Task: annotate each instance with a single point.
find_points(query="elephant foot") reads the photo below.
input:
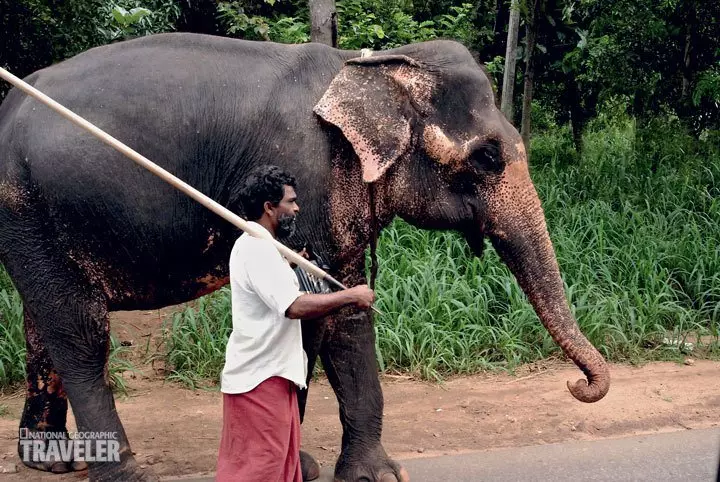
(309, 466)
(126, 470)
(57, 466)
(375, 466)
(47, 460)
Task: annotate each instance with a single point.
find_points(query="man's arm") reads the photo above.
(310, 306)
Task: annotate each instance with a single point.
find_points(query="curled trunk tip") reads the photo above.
(590, 391)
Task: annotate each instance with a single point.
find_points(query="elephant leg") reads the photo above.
(45, 402)
(348, 356)
(70, 317)
(78, 341)
(312, 334)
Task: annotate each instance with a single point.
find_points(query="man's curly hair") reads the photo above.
(264, 183)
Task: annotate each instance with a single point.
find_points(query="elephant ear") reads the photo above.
(372, 101)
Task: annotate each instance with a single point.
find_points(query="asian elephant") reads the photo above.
(84, 231)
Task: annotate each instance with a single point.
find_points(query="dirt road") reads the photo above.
(176, 431)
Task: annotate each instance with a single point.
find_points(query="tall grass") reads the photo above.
(636, 227)
(12, 337)
(196, 339)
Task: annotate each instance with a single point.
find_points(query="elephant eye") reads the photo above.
(486, 157)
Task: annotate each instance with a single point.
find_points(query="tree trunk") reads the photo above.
(506, 104)
(685, 109)
(502, 17)
(577, 117)
(531, 36)
(323, 19)
(690, 21)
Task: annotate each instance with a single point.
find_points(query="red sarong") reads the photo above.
(261, 435)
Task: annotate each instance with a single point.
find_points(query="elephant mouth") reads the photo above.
(475, 230)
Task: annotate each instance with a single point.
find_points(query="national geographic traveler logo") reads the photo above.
(69, 447)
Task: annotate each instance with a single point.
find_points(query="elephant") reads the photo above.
(412, 132)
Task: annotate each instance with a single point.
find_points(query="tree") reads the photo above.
(506, 103)
(323, 19)
(531, 28)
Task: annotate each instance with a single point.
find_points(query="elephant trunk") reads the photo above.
(523, 242)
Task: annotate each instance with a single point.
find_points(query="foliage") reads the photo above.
(283, 29)
(129, 19)
(239, 24)
(708, 86)
(361, 24)
(631, 48)
(385, 25)
(37, 33)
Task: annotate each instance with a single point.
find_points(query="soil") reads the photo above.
(176, 430)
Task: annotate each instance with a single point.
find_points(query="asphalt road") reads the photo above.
(691, 455)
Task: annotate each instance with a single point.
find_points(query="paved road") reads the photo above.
(691, 455)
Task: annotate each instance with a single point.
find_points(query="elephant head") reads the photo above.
(423, 123)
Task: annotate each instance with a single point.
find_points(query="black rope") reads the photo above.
(373, 236)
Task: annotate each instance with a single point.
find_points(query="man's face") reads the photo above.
(284, 213)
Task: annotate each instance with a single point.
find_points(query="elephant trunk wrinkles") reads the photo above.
(524, 245)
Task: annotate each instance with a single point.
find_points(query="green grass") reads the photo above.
(636, 227)
(196, 339)
(635, 224)
(12, 337)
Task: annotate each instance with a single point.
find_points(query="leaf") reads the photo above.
(138, 13)
(582, 44)
(120, 15)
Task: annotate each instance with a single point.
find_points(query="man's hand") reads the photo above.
(312, 306)
(363, 297)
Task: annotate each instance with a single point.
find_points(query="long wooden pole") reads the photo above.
(169, 178)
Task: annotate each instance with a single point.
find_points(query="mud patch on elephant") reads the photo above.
(13, 197)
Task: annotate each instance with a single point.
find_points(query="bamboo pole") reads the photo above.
(169, 178)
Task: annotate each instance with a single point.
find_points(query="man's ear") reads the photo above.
(267, 207)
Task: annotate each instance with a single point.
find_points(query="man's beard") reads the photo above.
(286, 226)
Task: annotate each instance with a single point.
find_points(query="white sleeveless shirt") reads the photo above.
(264, 343)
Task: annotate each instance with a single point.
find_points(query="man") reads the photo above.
(264, 360)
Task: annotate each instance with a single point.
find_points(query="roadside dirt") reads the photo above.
(176, 431)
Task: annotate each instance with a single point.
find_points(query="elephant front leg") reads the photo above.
(348, 356)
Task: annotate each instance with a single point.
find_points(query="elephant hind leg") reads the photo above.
(70, 336)
(45, 403)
